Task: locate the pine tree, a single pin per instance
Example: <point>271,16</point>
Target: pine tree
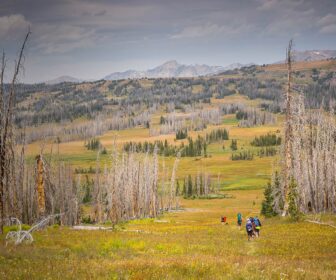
<point>178,188</point>
<point>234,145</point>
<point>184,188</point>
<point>277,194</point>
<point>190,186</point>
<point>293,209</point>
<point>267,204</point>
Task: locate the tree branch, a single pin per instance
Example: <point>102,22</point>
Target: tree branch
<point>320,223</point>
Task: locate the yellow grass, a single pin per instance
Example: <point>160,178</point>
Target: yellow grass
<point>191,244</point>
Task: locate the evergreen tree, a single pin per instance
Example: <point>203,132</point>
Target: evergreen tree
<point>201,185</point>
<point>234,145</point>
<point>181,134</point>
<point>293,208</point>
<point>190,186</point>
<point>104,151</point>
<point>184,188</point>
<point>87,190</point>
<point>268,202</point>
<point>278,205</point>
<point>177,187</point>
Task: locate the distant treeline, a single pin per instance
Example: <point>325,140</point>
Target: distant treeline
<point>243,155</point>
<point>249,154</point>
<point>67,101</point>
<point>90,170</point>
<point>254,117</point>
<point>93,144</point>
<point>198,186</point>
<point>192,148</point>
<point>267,152</point>
<point>217,135</point>
<point>266,140</point>
<point>181,134</point>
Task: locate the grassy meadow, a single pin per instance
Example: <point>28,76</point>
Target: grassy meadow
<point>187,244</point>
<point>190,244</point>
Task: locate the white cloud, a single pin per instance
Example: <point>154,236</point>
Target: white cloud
<point>198,31</point>
<point>331,28</point>
<point>10,25</point>
<point>63,38</point>
<point>326,20</point>
<point>291,21</point>
<point>209,29</point>
<point>86,24</point>
<point>327,24</point>
<point>266,5</point>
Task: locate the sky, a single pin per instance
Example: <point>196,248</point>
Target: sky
<point>91,39</point>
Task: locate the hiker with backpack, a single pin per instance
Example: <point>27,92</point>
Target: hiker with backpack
<point>257,225</point>
<point>249,229</point>
<point>239,220</point>
<point>253,226</point>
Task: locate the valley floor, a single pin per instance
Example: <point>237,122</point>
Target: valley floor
<point>191,244</point>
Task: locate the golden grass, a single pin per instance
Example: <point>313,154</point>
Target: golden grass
<point>191,244</point>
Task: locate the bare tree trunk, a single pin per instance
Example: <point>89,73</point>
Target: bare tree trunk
<point>40,186</point>
<point>7,157</point>
<point>288,129</point>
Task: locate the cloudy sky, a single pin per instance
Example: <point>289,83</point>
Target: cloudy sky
<point>90,39</point>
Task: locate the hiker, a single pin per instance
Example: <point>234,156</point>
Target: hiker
<point>249,229</point>
<point>257,225</point>
<point>253,226</point>
<point>239,220</point>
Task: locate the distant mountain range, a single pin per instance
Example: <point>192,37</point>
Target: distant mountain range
<point>172,68</point>
<point>312,55</point>
<point>168,69</point>
<point>63,79</point>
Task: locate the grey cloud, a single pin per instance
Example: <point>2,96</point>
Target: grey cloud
<point>148,30</point>
<point>331,28</point>
<point>63,38</point>
<point>210,29</point>
<point>327,24</point>
<point>11,24</point>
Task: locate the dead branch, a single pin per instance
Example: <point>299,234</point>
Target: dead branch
<point>320,223</point>
<point>19,236</point>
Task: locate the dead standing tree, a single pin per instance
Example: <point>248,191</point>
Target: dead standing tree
<point>288,129</point>
<point>8,201</point>
<point>40,185</point>
<point>172,195</point>
<point>309,156</point>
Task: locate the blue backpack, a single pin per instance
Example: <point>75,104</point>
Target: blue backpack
<point>256,222</point>
<point>249,226</point>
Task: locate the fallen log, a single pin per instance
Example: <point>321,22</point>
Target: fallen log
<point>320,223</point>
<point>91,228</point>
